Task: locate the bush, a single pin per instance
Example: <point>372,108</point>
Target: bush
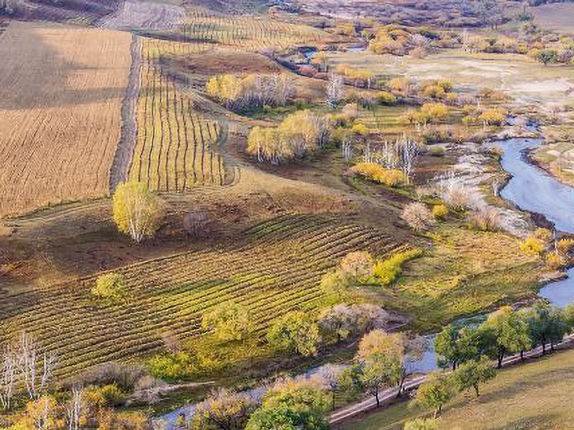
<point>418,217</point>
<point>484,219</point>
<point>387,98</point>
<point>388,270</point>
<point>377,173</point>
<point>172,368</point>
<point>106,396</point>
<point>532,245</point>
<point>110,287</point>
<point>440,211</point>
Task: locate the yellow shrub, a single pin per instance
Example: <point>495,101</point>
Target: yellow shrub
<point>440,211</point>
<point>555,261</point>
<point>532,245</point>
<point>565,246</point>
<point>377,173</point>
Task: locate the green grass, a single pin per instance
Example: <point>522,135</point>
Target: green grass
<point>533,396</point>
<point>465,272</point>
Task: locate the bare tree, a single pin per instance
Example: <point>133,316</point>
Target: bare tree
<point>33,367</point>
<point>74,408</point>
<point>335,90</point>
<point>7,378</point>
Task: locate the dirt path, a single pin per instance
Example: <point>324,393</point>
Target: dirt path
<point>387,396</point>
<point>127,143</point>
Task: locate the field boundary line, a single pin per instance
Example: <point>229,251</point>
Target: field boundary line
<point>128,137</point>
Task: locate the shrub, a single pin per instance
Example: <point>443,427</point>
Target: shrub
<point>295,332</point>
<point>434,91</point>
<point>172,368</point>
<point>440,211</point>
<point>418,217</point>
<point>544,235</point>
<point>108,395</point>
<point>532,245</point>
<point>435,111</point>
<point>377,173</point>
<point>388,270</point>
<point>110,287</point>
<point>492,117</point>
<point>387,98</point>
<point>484,219</point>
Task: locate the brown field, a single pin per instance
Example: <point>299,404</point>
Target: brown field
<point>61,90</point>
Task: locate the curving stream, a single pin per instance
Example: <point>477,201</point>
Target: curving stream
<point>530,189</point>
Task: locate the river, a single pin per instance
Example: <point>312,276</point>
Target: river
<point>530,189</point>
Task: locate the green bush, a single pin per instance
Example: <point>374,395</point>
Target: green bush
<point>106,396</point>
<point>174,367</point>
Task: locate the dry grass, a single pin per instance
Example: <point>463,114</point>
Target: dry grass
<point>62,90</point>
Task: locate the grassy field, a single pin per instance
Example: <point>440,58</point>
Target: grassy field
<point>521,77</point>
<point>533,396</point>
<point>62,89</point>
<point>465,272</point>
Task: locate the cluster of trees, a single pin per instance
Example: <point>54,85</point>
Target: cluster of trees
<point>299,133</point>
<point>401,40</point>
<point>543,243</point>
<point>430,113</point>
<point>251,91</point>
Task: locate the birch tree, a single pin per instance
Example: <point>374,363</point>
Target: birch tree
<point>74,408</point>
<point>335,90</point>
<point>7,378</point>
<point>136,211</point>
<point>35,368</point>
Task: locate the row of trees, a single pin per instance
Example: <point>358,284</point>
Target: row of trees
<point>255,90</point>
<point>299,133</point>
<point>505,332</point>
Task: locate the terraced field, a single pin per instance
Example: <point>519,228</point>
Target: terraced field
<point>275,269</point>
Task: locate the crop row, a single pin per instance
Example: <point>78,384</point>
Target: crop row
<point>172,293</point>
<point>177,148</point>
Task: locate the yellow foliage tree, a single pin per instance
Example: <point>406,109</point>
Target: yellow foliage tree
<point>137,211</point>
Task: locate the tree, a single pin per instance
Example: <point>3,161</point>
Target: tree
<point>454,346</point>
<point>335,90</point>
<point>7,376</point>
<point>350,382</point>
<point>295,332</point>
<point>224,410</point>
<point>110,287</point>
<point>229,321</point>
<point>546,56</point>
<point>435,392</point>
<point>511,332</point>
<point>473,373</point>
<point>381,371</point>
<point>302,396</point>
<point>285,418</point>
<point>335,284</point>
<point>422,424</point>
<point>546,325</point>
<point>137,211</point>
<point>380,342</point>
<point>357,265</point>
<point>74,408</point>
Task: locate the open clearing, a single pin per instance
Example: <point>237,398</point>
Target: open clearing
<point>532,396</point>
<point>61,91</point>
